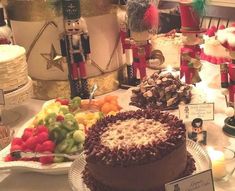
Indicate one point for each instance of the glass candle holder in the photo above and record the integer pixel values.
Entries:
(223, 162)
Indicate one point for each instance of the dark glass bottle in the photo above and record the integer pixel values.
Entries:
(5, 31)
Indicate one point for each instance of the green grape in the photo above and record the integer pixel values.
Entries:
(70, 125)
(74, 149)
(50, 118)
(79, 136)
(70, 143)
(69, 117)
(61, 147)
(75, 103)
(64, 109)
(58, 134)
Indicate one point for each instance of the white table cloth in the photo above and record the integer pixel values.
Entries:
(10, 181)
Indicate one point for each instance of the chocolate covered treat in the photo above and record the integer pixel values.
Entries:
(162, 90)
(136, 151)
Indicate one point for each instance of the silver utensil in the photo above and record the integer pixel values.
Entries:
(94, 88)
(21, 154)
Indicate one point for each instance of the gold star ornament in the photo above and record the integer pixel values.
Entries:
(53, 59)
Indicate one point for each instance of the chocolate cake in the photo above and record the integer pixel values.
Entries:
(136, 151)
(162, 90)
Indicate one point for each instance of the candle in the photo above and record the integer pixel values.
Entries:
(218, 163)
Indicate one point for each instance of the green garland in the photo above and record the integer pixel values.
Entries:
(199, 6)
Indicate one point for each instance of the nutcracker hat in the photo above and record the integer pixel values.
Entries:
(197, 123)
(142, 15)
(190, 12)
(71, 9)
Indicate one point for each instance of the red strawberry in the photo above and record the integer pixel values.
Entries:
(42, 137)
(48, 146)
(16, 148)
(39, 148)
(62, 101)
(9, 158)
(211, 32)
(17, 141)
(41, 128)
(221, 27)
(31, 142)
(46, 160)
(60, 118)
(27, 133)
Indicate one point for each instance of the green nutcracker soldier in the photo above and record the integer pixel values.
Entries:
(75, 46)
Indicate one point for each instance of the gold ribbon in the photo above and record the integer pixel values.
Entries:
(38, 10)
(33, 10)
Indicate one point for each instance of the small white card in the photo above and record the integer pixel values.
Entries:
(199, 182)
(189, 112)
(2, 99)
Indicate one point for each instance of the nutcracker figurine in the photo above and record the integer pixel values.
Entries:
(143, 23)
(5, 31)
(75, 46)
(227, 38)
(190, 64)
(125, 40)
(198, 134)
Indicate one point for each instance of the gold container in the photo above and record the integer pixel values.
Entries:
(46, 90)
(37, 10)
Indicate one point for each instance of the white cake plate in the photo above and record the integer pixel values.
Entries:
(202, 162)
(13, 99)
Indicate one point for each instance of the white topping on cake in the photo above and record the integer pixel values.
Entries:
(134, 133)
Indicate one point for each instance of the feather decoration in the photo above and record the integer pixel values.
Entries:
(151, 16)
(199, 6)
(138, 19)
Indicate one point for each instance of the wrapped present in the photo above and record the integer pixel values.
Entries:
(44, 22)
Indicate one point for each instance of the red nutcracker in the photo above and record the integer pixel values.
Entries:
(125, 40)
(75, 46)
(143, 23)
(227, 38)
(190, 64)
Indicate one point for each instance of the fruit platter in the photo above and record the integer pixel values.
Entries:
(46, 142)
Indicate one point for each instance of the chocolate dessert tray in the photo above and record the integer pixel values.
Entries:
(202, 162)
(197, 96)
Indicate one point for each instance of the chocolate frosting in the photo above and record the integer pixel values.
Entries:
(99, 154)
